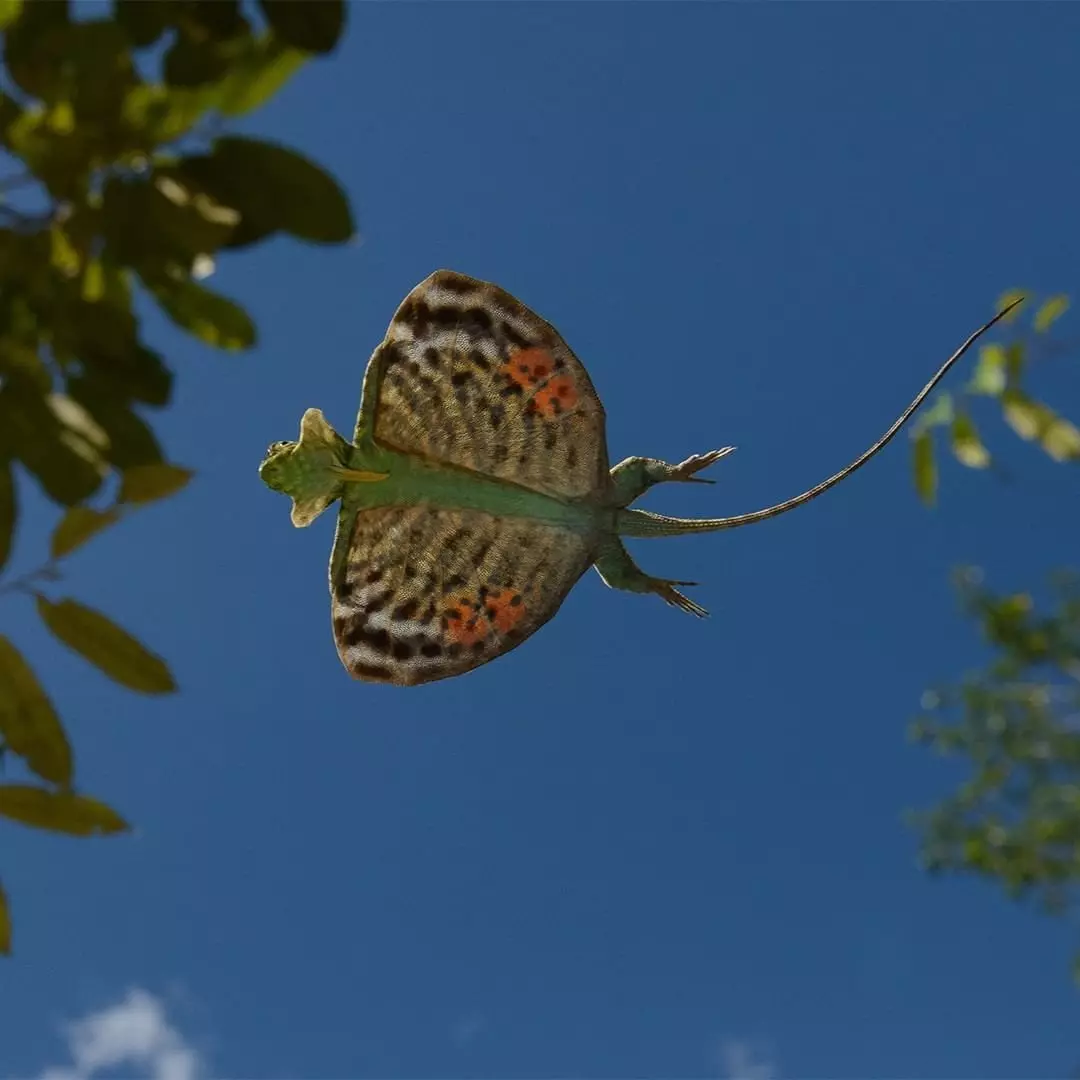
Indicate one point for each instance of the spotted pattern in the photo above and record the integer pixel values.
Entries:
(469, 376)
(428, 593)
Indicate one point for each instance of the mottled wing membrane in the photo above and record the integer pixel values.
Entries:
(427, 593)
(469, 376)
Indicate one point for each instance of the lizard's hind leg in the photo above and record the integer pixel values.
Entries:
(619, 571)
(634, 476)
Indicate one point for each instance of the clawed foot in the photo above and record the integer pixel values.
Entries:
(669, 594)
(685, 470)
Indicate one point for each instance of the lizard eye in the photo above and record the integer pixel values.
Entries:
(274, 447)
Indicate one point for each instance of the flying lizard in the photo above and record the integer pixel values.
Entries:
(476, 488)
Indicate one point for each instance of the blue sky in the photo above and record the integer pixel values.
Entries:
(757, 224)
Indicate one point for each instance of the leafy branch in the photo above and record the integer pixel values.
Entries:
(127, 180)
(998, 376)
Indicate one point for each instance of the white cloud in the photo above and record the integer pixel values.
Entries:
(742, 1060)
(132, 1032)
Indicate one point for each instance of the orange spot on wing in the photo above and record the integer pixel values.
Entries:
(557, 396)
(500, 609)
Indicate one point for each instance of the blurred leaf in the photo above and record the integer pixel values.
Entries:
(138, 374)
(937, 414)
(144, 22)
(967, 447)
(79, 524)
(1061, 440)
(989, 377)
(1034, 420)
(273, 189)
(8, 510)
(158, 114)
(925, 468)
(148, 483)
(61, 461)
(209, 316)
(1050, 312)
(5, 913)
(1010, 297)
(256, 76)
(312, 25)
(131, 441)
(28, 722)
(34, 48)
(108, 647)
(9, 12)
(190, 63)
(59, 811)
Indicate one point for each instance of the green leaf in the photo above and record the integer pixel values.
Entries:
(59, 811)
(138, 374)
(5, 918)
(149, 483)
(967, 447)
(108, 647)
(131, 441)
(66, 466)
(28, 721)
(989, 377)
(8, 510)
(159, 114)
(938, 414)
(255, 77)
(925, 468)
(1010, 297)
(78, 525)
(1050, 312)
(273, 189)
(1032, 420)
(312, 25)
(9, 12)
(144, 22)
(210, 316)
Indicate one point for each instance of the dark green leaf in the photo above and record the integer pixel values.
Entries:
(79, 524)
(273, 189)
(34, 48)
(312, 25)
(190, 63)
(148, 483)
(255, 77)
(966, 444)
(209, 316)
(108, 647)
(59, 811)
(131, 441)
(66, 466)
(144, 22)
(5, 924)
(28, 721)
(220, 20)
(138, 374)
(8, 510)
(925, 468)
(1050, 312)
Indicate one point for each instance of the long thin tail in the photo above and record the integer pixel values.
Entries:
(644, 523)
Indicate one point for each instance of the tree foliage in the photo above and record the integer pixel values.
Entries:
(1016, 820)
(121, 181)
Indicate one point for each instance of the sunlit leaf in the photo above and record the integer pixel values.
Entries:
(28, 722)
(1050, 312)
(8, 510)
(9, 12)
(925, 468)
(1034, 420)
(1010, 297)
(990, 372)
(108, 647)
(148, 483)
(78, 525)
(59, 811)
(937, 414)
(1061, 440)
(274, 189)
(313, 27)
(255, 77)
(130, 439)
(967, 447)
(211, 317)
